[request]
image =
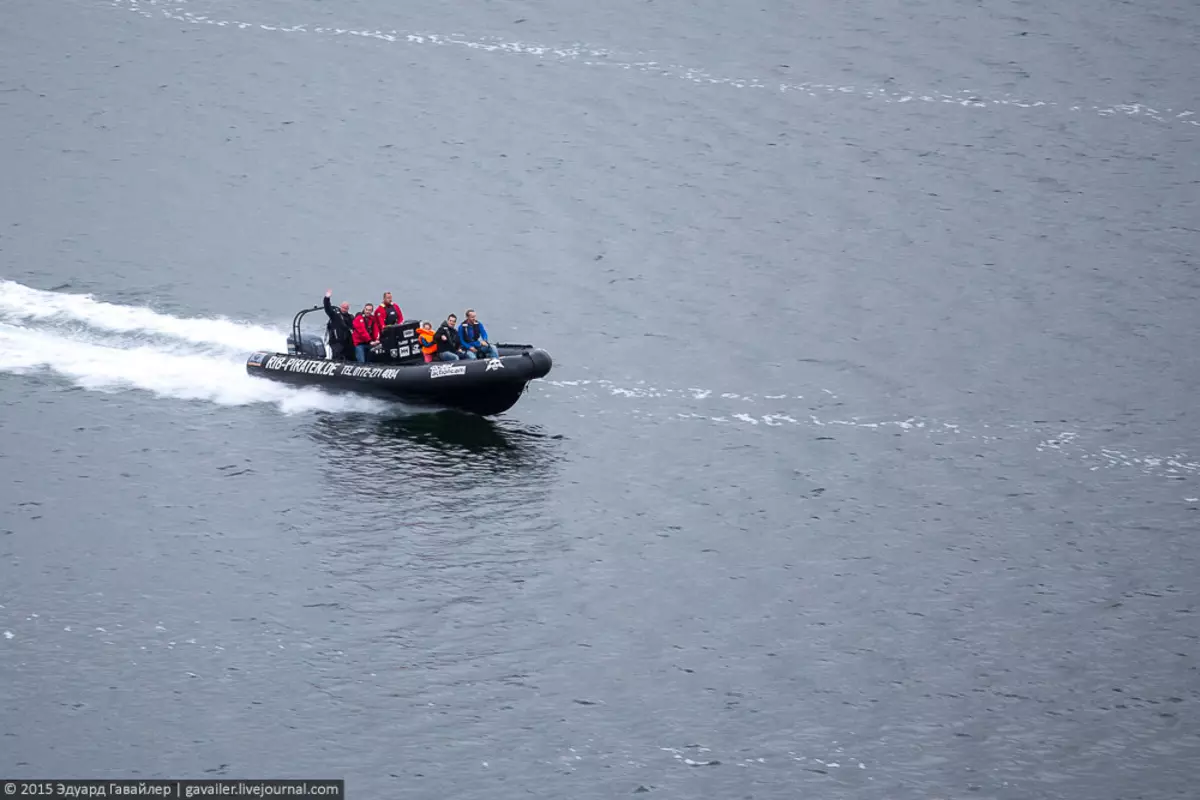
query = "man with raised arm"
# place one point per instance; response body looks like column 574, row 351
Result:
column 340, row 328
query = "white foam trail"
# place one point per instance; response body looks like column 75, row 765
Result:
column 642, row 390
column 730, row 409
column 163, row 372
column 595, row 57
column 20, row 302
column 1176, row 466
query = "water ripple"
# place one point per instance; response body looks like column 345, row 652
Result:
column 598, row 57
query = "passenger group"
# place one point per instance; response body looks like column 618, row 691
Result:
column 353, row 336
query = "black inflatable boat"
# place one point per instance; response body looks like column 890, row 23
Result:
column 397, row 370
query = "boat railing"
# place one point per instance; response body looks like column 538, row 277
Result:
column 296, row 322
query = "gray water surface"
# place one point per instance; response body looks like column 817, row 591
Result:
column 868, row 466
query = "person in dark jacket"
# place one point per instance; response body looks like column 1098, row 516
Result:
column 474, row 338
column 449, row 345
column 340, row 328
column 366, row 332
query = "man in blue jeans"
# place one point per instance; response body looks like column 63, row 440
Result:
column 474, row 338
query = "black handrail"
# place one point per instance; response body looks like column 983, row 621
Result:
column 296, row 324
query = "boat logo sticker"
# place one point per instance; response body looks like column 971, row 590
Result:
column 442, row 370
column 305, row 365
column 494, row 363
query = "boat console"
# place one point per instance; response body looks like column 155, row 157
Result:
column 399, row 344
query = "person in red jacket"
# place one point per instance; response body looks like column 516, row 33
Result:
column 365, row 332
column 388, row 312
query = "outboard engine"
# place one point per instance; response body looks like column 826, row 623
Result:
column 310, row 345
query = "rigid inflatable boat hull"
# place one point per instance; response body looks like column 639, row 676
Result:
column 479, row 386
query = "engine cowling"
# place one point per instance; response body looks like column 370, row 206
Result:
column 310, row 345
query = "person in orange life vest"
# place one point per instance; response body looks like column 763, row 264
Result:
column 366, row 332
column 388, row 312
column 428, row 345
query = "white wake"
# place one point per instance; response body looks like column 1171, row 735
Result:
column 110, row 347
column 22, row 303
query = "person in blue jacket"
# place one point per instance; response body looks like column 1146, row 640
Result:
column 474, row 338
